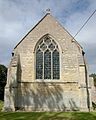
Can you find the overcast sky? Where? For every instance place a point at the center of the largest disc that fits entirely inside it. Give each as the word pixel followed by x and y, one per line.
pixel 17 17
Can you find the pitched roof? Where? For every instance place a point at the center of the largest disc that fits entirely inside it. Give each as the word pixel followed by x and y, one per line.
pixel 59 24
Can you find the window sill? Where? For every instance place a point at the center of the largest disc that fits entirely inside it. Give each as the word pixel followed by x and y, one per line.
pixel 46 80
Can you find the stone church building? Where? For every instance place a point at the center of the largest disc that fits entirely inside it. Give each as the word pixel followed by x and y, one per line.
pixel 48 71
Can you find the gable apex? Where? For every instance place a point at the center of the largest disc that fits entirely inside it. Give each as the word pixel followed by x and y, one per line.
pixel 50 16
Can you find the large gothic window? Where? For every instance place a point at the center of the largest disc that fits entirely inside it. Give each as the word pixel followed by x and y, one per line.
pixel 47 59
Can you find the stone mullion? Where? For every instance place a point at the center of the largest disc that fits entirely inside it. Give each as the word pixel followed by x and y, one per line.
pixel 51 65
pixel 43 65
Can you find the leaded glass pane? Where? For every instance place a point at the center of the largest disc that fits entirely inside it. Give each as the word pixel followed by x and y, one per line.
pixel 47 65
pixel 57 46
pixel 54 42
pixel 47 40
pixel 38 47
pixel 43 46
pixel 39 64
pixel 56 71
pixel 51 46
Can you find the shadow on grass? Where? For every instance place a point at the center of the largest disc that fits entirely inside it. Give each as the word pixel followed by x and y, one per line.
pixel 47 116
pixel 34 116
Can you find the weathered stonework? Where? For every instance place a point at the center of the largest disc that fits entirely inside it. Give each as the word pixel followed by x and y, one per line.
pixel 71 92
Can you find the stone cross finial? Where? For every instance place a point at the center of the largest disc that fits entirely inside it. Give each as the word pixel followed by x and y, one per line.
pixel 48 10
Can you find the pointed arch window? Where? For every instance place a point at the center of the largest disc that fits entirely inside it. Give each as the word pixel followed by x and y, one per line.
pixel 47 59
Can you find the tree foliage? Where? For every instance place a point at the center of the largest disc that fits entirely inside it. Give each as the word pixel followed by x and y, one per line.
pixel 94 77
pixel 3 78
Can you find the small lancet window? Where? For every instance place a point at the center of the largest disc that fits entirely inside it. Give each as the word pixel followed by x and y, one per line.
pixel 56 65
pixel 47 65
pixel 39 64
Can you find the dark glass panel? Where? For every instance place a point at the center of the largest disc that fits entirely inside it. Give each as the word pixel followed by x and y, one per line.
pixel 38 47
pixel 43 46
pixel 47 40
pixel 39 64
pixel 56 71
pixel 56 46
pixel 51 46
pixel 54 42
pixel 47 65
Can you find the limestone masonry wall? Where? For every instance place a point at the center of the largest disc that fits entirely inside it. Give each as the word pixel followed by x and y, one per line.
pixel 70 92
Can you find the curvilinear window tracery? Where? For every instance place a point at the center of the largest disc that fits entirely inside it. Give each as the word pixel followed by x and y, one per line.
pixel 47 59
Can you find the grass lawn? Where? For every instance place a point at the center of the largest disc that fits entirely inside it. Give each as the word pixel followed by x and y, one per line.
pixel 47 116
